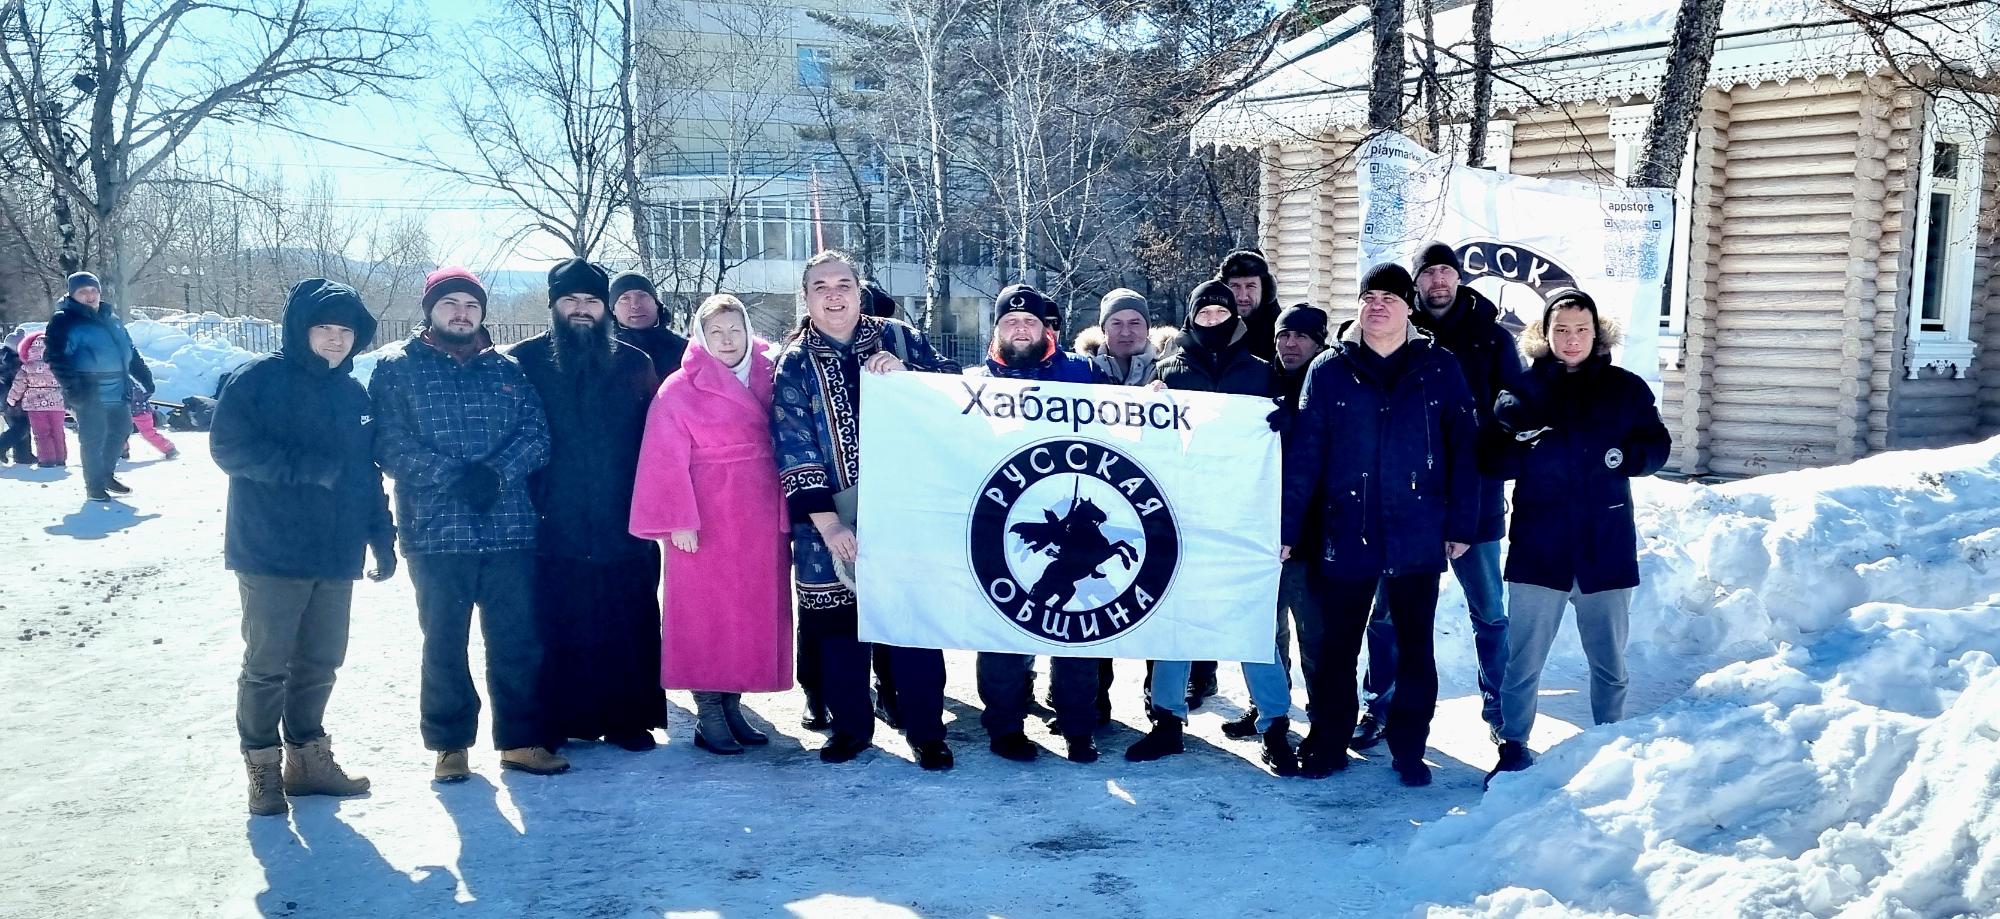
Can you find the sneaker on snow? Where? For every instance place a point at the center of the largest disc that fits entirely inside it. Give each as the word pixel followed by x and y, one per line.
pixel 1082 749
pixel 116 487
pixel 1242 728
pixel 1412 772
pixel 1367 733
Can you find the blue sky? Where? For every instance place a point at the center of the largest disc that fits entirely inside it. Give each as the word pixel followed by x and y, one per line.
pixel 374 151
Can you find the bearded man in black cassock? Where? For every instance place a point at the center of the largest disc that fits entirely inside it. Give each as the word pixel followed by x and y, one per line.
pixel 595 583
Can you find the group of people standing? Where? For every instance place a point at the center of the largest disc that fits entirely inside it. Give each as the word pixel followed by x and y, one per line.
pixel 81 364
pixel 629 511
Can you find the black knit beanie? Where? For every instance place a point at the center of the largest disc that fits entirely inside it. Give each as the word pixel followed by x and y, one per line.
pixel 1390 278
pixel 1436 253
pixel 576 276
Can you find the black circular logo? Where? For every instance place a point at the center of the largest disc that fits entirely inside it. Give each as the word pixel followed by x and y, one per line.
pixel 1073 542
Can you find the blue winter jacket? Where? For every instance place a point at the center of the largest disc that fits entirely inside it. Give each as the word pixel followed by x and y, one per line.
pixel 1388 467
pixel 435 418
pixel 92 354
pixel 1059 367
pixel 293 435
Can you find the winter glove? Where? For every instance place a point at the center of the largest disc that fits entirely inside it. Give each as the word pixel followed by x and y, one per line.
pixel 385 559
pixel 1279 419
pixel 1518 418
pixel 478 486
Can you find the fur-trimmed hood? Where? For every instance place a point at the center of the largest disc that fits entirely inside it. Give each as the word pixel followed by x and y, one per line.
pixel 1535 339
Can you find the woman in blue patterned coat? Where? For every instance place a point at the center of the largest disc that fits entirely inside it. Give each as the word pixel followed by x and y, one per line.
pixel 816 414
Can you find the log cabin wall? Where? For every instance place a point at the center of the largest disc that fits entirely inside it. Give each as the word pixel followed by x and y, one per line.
pixel 1792 284
pixel 1804 195
pixel 1986 295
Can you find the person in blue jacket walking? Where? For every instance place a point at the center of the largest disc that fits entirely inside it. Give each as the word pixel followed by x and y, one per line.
pixel 92 356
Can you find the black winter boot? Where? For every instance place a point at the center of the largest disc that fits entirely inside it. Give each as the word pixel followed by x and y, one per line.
pixel 1163 740
pixel 1514 757
pixel 1278 749
pixel 1320 757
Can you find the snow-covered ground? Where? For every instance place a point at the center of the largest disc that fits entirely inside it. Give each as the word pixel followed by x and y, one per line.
pixel 1814 731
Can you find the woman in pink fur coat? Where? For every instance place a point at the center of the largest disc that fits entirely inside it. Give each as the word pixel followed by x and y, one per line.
pixel 708 487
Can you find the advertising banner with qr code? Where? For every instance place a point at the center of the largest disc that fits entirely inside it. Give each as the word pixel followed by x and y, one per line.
pixel 1521 237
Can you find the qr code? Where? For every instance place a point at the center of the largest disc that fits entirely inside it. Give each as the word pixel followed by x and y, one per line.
pixel 1388 208
pixel 1632 248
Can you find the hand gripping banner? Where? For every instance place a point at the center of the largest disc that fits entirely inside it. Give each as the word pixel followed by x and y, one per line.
pixel 1064 519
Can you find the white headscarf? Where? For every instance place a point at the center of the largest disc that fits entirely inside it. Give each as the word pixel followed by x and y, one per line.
pixel 713 306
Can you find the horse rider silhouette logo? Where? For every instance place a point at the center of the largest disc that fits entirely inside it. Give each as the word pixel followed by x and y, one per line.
pixel 1073 541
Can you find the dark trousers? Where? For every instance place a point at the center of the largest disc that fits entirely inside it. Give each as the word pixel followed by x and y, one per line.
pixel 1299 606
pixel 14 441
pixel 600 628
pixel 844 661
pixel 1478 573
pixel 101 431
pixel 1346 603
pixel 294 638
pixel 806 666
pixel 1006 682
pixel 502 586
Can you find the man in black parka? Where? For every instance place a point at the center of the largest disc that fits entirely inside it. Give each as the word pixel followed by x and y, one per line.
pixel 1248 275
pixel 1381 457
pixel 642 322
pixel 596 584
pixel 292 434
pixel 1466 324
pixel 1219 359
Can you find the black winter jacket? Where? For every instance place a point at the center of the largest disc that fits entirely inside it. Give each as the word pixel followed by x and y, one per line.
pixel 1573 524
pixel 1386 469
pixel 1234 371
pixel 1491 362
pixel 293 436
pixel 583 497
pixel 663 346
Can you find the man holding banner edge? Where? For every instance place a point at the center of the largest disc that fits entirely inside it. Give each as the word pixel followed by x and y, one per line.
pixel 815 426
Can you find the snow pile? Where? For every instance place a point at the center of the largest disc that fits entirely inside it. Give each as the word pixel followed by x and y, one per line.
pixel 1844 763
pixel 189 353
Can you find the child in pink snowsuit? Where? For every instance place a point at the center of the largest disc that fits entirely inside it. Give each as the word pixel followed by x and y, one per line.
pixel 36 392
pixel 144 421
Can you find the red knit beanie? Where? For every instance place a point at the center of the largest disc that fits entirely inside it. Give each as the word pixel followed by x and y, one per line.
pixel 451 279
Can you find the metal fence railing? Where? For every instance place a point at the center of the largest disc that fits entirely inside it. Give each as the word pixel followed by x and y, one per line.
pixel 503 333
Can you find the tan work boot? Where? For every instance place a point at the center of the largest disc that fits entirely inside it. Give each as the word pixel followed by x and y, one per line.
pixel 310 770
pixel 451 767
pixel 534 761
pixel 267 793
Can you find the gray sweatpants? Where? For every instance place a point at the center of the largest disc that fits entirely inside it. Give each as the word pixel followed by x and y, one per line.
pixel 1533 615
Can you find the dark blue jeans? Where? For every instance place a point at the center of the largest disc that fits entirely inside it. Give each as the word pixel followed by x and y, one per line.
pixel 1478 572
pixel 101 430
pixel 502 586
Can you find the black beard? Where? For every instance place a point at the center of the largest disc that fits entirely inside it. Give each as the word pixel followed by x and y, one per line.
pixel 1022 357
pixel 587 351
pixel 448 337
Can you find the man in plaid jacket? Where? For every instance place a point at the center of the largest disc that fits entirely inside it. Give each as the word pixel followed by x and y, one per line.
pixel 459 428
